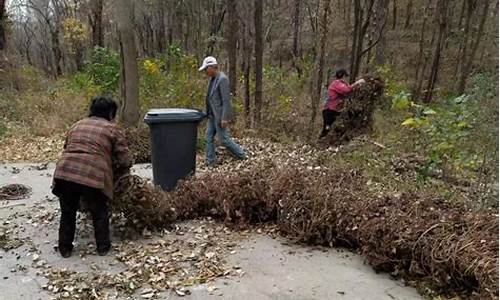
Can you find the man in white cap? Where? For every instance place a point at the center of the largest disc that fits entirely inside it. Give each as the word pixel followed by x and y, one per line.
pixel 219 112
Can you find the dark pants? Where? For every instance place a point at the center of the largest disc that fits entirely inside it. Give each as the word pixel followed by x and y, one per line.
pixel 69 194
pixel 329 117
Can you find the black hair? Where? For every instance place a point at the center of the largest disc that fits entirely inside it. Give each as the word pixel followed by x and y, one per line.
pixel 341 73
pixel 103 107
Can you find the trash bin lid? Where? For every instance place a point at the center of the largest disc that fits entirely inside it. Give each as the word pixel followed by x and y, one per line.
pixel 166 115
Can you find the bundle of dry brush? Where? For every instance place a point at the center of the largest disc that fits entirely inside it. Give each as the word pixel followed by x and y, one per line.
pixel 417 236
pixel 139 144
pixel 356 116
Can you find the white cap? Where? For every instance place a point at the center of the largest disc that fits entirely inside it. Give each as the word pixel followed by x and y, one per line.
pixel 208 61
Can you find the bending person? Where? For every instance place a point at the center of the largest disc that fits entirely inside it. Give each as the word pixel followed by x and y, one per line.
pixel 94 149
pixel 337 91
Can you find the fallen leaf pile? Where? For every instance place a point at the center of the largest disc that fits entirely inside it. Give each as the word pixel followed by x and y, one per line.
pixel 262 151
pixel 31 148
pixel 9 239
pixel 173 260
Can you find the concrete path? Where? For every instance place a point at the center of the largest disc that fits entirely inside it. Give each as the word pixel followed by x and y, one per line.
pixel 267 267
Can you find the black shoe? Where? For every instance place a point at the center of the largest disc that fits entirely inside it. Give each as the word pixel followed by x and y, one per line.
pixel 103 252
pixel 65 253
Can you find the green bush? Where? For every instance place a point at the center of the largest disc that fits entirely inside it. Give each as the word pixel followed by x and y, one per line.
pixel 172 81
pixel 103 68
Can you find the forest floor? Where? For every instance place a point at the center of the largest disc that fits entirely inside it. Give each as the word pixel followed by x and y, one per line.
pixel 208 260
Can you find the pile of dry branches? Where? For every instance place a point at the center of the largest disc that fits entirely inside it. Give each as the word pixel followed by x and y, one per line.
pixel 139 144
pixel 356 116
pixel 418 236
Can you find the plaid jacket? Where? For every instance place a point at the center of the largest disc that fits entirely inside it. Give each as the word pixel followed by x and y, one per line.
pixel 94 148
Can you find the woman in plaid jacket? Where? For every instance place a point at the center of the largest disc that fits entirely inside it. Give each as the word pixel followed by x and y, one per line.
pixel 94 149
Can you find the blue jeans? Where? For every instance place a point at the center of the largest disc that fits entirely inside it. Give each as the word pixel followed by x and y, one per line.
pixel 226 140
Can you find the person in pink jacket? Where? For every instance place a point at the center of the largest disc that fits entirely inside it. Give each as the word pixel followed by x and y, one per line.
pixel 337 91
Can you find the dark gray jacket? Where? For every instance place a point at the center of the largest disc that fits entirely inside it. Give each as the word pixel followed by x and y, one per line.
pixel 219 99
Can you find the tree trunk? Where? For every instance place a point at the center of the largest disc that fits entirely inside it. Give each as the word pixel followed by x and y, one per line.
pixel 470 60
pixel 382 9
pixel 419 65
pixel 315 97
pixel 348 24
pixel 246 66
pixel 232 43
pixel 409 14
pixel 79 57
pixel 361 24
pixel 258 62
pixel 442 14
pixel 217 21
pixel 357 25
pixel 56 51
pixel 296 30
pixel 462 13
pixel 2 24
pixel 160 31
pixel 96 24
pixel 129 81
pixel 394 14
pixel 468 7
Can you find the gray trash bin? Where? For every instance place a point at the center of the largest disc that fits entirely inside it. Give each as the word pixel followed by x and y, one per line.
pixel 173 143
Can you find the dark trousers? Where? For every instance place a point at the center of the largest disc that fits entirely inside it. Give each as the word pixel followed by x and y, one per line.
pixel 69 194
pixel 329 117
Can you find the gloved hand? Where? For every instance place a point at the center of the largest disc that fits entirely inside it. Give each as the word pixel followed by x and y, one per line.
pixel 360 81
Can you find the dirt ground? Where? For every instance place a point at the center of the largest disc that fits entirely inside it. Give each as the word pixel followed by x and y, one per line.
pixel 209 260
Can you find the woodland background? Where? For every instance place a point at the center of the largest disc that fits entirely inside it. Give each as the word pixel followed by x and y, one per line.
pixel 438 117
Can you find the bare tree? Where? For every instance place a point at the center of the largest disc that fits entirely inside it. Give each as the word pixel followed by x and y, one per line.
pixel 161 37
pixel 409 14
pixel 50 14
pixel 129 70
pixel 315 97
pixel 381 13
pixel 422 58
pixel 217 19
pixel 259 51
pixel 2 24
pixel 394 14
pixel 296 29
pixel 468 57
pixel 95 20
pixel 246 63
pixel 362 16
pixel 232 43
pixel 442 22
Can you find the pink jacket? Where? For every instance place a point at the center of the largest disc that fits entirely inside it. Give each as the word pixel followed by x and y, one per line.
pixel 337 90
